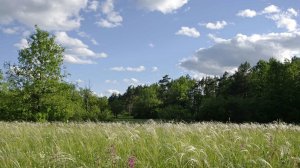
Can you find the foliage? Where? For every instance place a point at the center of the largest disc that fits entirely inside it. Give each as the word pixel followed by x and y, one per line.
pixel 34 89
pixel 116 104
pixel 266 92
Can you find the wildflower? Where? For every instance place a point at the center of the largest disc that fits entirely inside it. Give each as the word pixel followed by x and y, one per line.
pixel 131 161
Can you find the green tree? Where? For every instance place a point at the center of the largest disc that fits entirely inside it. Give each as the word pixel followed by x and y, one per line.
pixel 38 73
pixel 164 85
pixel 116 104
pixel 177 99
pixel 146 103
pixel 95 108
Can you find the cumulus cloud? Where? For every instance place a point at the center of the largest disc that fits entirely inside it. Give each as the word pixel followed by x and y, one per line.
pixel 50 15
pixel 247 13
pixel 285 19
pixel 154 69
pixel 76 51
pixel 271 9
pixel 12 30
pixel 111 81
pixel 112 91
pixel 23 43
pixel 129 69
pixel 85 35
pixel 76 60
pixel 112 18
pixel 26 33
pixel 95 42
pixel 217 39
pixel 163 6
pixel 93 5
pixel 187 31
pixel 292 11
pixel 131 81
pixel 227 54
pixel 217 25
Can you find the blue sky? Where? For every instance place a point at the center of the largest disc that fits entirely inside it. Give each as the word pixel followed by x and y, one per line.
pixel 111 44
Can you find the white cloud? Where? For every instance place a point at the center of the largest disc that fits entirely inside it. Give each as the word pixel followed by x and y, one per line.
pixel 132 81
pixel 247 13
pixel 112 91
pixel 293 11
pixel 190 32
pixel 154 69
pixel 129 69
pixel 111 81
pixel 136 69
pixel 85 35
pixel 271 9
pixel 163 6
pixel 285 22
pixel 217 39
pixel 26 33
pixel 76 51
pixel 22 44
pixel 8 30
pixel 93 5
pixel 226 55
pixel 50 15
pixel 285 19
pixel 64 39
pixel 94 42
pixel 119 69
pixel 73 59
pixel 216 26
pixel 112 18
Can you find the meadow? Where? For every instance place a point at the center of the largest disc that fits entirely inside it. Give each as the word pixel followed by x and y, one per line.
pixel 149 144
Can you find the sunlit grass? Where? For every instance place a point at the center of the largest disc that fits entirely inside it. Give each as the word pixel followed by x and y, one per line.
pixel 148 145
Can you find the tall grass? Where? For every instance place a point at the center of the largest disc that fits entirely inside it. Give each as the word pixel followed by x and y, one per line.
pixel 148 145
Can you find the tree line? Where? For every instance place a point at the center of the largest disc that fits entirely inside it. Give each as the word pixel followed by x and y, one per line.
pixel 266 92
pixel 35 90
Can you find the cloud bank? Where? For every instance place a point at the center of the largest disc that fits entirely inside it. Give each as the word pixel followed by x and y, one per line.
pixel 227 54
pixel 50 15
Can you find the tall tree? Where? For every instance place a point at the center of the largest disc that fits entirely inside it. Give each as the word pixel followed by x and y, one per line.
pixel 39 69
pixel 146 102
pixel 116 104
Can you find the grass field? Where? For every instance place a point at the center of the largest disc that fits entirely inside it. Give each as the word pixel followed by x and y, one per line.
pixel 148 145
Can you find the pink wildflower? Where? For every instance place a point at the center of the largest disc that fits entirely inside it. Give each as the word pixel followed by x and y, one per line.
pixel 131 161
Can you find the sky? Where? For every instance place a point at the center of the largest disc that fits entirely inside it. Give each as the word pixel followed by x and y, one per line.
pixel 112 44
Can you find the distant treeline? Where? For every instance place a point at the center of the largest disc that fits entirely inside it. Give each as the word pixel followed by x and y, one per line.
pixel 34 90
pixel 266 92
